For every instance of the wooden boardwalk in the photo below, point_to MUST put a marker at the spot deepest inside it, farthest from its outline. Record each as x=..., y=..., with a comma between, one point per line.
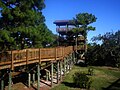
x=62, y=57
x=12, y=59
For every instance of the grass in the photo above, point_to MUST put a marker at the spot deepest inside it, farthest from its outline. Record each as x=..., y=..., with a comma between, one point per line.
x=104, y=78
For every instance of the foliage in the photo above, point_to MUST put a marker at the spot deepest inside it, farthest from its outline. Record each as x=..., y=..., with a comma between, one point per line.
x=104, y=77
x=107, y=53
x=22, y=24
x=82, y=21
x=81, y=80
x=90, y=71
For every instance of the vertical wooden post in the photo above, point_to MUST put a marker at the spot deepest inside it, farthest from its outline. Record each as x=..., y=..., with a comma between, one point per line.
x=71, y=61
x=47, y=76
x=51, y=73
x=33, y=77
x=67, y=64
x=2, y=84
x=73, y=57
x=60, y=70
x=29, y=80
x=39, y=55
x=57, y=71
x=64, y=66
x=38, y=77
x=12, y=60
x=10, y=80
x=27, y=58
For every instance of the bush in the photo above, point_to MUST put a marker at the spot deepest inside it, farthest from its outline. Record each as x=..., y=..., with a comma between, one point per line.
x=90, y=71
x=81, y=80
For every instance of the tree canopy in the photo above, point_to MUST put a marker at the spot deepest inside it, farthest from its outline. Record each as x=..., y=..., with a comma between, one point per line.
x=82, y=22
x=108, y=52
x=22, y=24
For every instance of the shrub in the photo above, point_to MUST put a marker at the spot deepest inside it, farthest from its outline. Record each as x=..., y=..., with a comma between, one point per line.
x=81, y=80
x=90, y=71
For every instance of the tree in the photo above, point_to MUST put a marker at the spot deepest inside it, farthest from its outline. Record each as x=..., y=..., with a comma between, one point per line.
x=82, y=21
x=108, y=52
x=22, y=23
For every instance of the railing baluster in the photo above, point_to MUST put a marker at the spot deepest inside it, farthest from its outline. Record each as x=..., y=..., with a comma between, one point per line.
x=27, y=60
x=39, y=55
x=12, y=60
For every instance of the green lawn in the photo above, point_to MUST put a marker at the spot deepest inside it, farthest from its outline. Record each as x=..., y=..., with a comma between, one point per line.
x=104, y=78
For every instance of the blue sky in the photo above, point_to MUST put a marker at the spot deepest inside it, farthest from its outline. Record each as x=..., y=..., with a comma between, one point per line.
x=106, y=11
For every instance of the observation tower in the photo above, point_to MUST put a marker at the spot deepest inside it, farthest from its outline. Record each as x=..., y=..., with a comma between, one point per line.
x=68, y=36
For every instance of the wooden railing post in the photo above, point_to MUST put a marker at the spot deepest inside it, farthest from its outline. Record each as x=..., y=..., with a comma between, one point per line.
x=12, y=60
x=27, y=62
x=55, y=53
x=63, y=52
x=39, y=55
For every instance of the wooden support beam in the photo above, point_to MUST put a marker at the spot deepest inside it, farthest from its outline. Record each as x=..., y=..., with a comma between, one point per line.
x=64, y=66
x=29, y=80
x=47, y=74
x=38, y=77
x=51, y=73
x=73, y=57
x=71, y=62
x=2, y=84
x=57, y=71
x=60, y=70
x=33, y=78
x=10, y=80
x=67, y=64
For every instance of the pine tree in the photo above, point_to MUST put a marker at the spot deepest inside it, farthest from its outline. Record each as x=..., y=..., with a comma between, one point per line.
x=22, y=24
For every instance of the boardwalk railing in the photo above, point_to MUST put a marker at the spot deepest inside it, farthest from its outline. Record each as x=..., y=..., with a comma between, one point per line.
x=16, y=58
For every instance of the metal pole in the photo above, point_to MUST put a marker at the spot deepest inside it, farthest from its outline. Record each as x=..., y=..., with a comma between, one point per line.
x=38, y=77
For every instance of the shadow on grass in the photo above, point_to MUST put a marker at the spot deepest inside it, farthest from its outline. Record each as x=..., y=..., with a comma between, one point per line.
x=114, y=86
x=69, y=84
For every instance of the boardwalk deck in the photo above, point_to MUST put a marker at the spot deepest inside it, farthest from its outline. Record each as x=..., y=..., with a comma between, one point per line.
x=16, y=58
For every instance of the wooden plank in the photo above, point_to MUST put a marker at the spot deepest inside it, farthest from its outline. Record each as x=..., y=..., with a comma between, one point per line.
x=12, y=60
x=27, y=61
x=39, y=55
x=55, y=53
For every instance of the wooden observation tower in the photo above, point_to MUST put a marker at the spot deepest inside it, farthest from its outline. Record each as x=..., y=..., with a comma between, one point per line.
x=67, y=37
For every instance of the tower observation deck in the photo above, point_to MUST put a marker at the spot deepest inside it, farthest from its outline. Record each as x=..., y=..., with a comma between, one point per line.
x=68, y=37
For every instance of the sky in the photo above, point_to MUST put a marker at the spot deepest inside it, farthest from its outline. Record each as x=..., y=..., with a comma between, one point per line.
x=106, y=11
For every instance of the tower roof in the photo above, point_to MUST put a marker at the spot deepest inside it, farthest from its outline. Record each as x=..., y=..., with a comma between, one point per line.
x=64, y=22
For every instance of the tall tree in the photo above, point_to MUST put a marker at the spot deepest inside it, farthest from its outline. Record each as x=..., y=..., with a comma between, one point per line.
x=21, y=23
x=82, y=21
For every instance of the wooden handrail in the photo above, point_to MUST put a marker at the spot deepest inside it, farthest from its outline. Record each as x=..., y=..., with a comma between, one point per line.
x=38, y=55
